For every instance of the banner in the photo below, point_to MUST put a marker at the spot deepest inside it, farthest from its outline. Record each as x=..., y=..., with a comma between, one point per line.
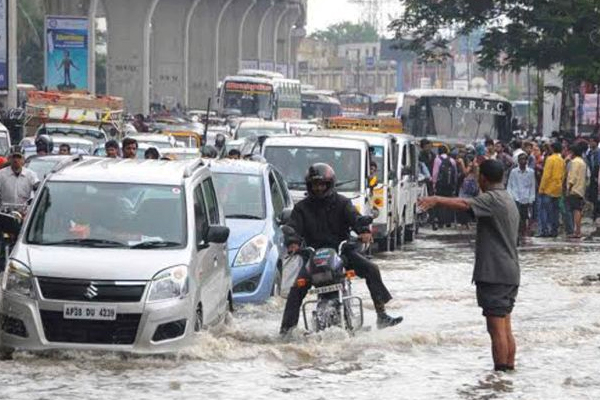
x=3, y=45
x=66, y=50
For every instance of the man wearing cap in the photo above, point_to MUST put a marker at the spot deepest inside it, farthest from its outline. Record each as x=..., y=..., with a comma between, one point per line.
x=16, y=182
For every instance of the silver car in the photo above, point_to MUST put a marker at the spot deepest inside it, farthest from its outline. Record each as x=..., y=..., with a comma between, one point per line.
x=119, y=255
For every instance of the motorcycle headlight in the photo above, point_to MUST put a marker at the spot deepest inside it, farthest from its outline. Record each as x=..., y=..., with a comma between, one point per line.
x=252, y=252
x=170, y=283
x=18, y=279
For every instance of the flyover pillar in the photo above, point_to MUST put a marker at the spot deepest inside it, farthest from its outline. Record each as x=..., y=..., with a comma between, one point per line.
x=249, y=35
x=128, y=64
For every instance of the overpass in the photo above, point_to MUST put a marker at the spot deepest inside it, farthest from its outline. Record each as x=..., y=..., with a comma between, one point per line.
x=176, y=51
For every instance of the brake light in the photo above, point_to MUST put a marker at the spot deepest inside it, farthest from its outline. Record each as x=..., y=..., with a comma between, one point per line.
x=301, y=282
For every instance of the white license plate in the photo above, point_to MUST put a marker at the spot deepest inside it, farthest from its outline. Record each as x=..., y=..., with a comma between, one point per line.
x=326, y=289
x=94, y=312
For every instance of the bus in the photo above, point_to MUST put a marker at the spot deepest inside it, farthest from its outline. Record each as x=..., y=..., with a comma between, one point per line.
x=263, y=94
x=390, y=106
x=320, y=104
x=355, y=104
x=456, y=116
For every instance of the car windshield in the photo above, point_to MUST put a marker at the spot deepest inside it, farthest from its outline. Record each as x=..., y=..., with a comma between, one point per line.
x=243, y=133
x=103, y=214
x=293, y=162
x=248, y=98
x=41, y=167
x=242, y=196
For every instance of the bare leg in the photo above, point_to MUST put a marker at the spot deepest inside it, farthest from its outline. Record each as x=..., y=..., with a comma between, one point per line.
x=496, y=327
x=512, y=346
x=577, y=220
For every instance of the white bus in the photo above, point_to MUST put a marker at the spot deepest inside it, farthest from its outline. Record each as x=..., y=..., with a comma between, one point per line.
x=263, y=94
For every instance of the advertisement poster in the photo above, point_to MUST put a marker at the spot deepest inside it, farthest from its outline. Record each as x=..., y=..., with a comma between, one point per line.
x=3, y=45
x=590, y=106
x=66, y=53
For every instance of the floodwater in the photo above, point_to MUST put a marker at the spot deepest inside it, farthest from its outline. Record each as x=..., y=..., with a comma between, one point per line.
x=440, y=351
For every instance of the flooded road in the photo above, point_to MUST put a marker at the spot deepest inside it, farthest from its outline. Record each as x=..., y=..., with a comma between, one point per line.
x=440, y=351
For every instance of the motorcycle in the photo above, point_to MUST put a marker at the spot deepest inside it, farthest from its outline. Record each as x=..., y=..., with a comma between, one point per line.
x=11, y=219
x=329, y=273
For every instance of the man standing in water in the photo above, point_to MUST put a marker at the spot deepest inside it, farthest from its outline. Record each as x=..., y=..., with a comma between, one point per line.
x=496, y=273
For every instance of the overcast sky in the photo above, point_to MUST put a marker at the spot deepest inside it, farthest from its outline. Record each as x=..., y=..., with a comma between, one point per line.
x=322, y=13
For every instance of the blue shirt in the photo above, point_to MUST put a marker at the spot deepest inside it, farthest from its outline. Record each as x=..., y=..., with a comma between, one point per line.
x=521, y=185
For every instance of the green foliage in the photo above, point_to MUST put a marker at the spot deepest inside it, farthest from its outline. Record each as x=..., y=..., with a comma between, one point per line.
x=30, y=45
x=517, y=33
x=347, y=32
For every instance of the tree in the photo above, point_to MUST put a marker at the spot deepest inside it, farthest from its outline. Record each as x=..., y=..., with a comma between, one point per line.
x=30, y=44
x=347, y=32
x=517, y=33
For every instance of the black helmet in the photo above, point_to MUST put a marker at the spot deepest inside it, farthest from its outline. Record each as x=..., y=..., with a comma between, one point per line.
x=320, y=172
x=220, y=141
x=44, y=143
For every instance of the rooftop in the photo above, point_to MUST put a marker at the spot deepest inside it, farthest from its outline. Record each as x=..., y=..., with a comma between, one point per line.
x=94, y=169
x=315, y=141
x=237, y=166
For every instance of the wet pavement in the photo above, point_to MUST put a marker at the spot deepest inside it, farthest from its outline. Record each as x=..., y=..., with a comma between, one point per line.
x=441, y=351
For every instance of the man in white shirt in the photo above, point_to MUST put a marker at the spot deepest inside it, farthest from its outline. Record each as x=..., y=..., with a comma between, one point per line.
x=521, y=187
x=16, y=182
x=517, y=150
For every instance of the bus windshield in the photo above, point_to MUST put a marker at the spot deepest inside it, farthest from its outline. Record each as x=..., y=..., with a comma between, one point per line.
x=250, y=99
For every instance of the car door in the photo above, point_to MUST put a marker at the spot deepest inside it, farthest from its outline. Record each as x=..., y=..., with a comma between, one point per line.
x=404, y=181
x=219, y=250
x=278, y=202
x=204, y=269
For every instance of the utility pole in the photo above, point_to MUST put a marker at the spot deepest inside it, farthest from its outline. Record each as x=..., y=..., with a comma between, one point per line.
x=12, y=54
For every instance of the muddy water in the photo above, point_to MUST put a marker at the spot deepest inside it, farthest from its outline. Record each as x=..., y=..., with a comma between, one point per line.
x=441, y=351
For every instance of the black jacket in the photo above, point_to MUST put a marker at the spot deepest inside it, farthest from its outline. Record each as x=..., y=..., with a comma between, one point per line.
x=324, y=223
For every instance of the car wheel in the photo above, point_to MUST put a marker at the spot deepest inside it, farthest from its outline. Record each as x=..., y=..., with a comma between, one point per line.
x=276, y=289
x=198, y=321
x=409, y=233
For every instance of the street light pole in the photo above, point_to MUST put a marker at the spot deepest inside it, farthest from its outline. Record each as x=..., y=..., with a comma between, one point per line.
x=12, y=54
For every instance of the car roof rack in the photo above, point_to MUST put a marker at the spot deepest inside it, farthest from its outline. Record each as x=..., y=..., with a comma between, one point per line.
x=73, y=159
x=189, y=169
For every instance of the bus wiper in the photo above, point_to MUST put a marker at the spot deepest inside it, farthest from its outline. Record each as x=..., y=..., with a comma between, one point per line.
x=243, y=216
x=154, y=244
x=85, y=243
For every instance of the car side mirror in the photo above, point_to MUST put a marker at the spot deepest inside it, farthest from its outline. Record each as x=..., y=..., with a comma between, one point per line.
x=217, y=234
x=10, y=224
x=285, y=216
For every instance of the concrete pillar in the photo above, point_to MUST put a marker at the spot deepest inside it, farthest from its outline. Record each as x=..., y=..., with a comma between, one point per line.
x=249, y=34
x=77, y=8
x=128, y=66
x=221, y=50
x=202, y=76
x=186, y=50
x=11, y=99
x=92, y=11
x=168, y=53
x=278, y=42
x=242, y=31
x=265, y=35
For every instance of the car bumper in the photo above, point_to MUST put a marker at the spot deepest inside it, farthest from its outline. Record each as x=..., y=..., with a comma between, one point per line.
x=133, y=331
x=256, y=276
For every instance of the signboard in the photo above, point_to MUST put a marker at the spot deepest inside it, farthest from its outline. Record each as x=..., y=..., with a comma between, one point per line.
x=3, y=45
x=370, y=62
x=480, y=106
x=249, y=64
x=460, y=84
x=66, y=53
x=588, y=115
x=247, y=87
x=425, y=83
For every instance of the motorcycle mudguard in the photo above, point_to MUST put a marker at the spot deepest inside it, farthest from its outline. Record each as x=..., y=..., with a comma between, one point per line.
x=290, y=268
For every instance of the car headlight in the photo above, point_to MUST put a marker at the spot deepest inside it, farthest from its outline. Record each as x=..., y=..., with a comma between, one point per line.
x=252, y=252
x=18, y=279
x=170, y=283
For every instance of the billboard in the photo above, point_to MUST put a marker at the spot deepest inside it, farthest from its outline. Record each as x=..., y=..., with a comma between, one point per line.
x=3, y=45
x=66, y=53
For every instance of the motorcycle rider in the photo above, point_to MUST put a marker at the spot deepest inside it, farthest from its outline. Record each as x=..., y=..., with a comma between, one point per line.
x=324, y=220
x=44, y=145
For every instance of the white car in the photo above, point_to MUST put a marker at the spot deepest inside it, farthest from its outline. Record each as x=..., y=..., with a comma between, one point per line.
x=117, y=255
x=159, y=141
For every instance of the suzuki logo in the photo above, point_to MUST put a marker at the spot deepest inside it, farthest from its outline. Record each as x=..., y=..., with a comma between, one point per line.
x=91, y=291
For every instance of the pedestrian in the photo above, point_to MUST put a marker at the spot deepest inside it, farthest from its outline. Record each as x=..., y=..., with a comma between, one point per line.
x=551, y=191
x=593, y=161
x=17, y=183
x=521, y=187
x=427, y=157
x=496, y=273
x=490, y=149
x=576, y=187
x=469, y=188
x=112, y=149
x=64, y=149
x=130, y=146
x=445, y=181
x=234, y=154
x=517, y=151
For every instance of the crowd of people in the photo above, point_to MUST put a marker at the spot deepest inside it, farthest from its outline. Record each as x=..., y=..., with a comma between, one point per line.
x=552, y=181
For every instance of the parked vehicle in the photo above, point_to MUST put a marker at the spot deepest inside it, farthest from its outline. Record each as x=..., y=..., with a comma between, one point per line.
x=58, y=130
x=156, y=140
x=409, y=188
x=253, y=129
x=117, y=255
x=292, y=155
x=253, y=196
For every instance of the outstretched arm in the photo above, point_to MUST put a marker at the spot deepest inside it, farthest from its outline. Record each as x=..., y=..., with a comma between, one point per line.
x=454, y=203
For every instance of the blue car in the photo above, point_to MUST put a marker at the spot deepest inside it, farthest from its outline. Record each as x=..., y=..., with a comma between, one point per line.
x=253, y=196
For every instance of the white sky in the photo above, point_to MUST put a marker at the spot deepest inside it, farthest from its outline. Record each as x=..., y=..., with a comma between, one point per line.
x=322, y=13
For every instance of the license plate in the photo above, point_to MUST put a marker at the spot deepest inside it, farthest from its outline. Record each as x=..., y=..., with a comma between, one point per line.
x=93, y=312
x=326, y=289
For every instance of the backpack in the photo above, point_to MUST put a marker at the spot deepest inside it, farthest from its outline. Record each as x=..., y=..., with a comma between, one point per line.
x=446, y=180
